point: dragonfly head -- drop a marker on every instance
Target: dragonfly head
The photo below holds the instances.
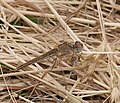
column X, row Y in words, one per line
column 78, row 46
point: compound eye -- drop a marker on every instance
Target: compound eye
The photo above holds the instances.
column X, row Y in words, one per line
column 78, row 46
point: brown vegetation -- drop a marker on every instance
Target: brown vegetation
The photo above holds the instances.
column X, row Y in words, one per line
column 30, row 28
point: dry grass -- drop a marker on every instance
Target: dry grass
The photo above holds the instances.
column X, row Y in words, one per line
column 32, row 27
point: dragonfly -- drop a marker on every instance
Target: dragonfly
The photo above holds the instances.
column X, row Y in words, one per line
column 62, row 50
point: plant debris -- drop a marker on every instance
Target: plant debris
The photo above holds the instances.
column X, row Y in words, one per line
column 31, row 28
